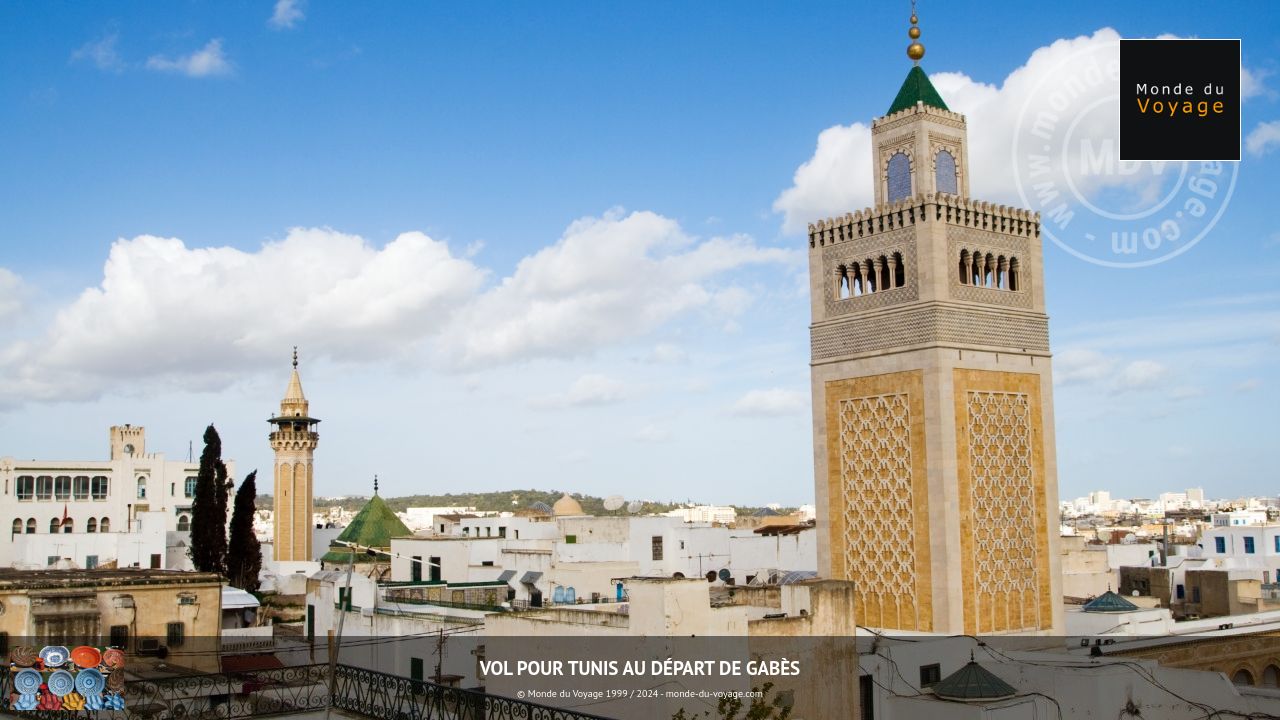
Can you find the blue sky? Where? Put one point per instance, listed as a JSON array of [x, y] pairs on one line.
[[549, 245]]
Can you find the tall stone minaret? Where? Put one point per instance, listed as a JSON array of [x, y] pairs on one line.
[[294, 442], [933, 396]]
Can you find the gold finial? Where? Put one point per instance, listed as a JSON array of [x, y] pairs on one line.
[[295, 357], [915, 50], [375, 484]]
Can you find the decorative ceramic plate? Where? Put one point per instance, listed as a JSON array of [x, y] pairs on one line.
[[90, 682], [86, 657], [61, 682], [115, 681], [23, 656], [113, 658], [54, 655], [27, 681]]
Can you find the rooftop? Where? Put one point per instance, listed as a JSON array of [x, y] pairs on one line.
[[11, 579]]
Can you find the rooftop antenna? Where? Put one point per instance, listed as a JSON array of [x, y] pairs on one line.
[[634, 506]]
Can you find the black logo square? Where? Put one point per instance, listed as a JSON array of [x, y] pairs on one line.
[[1179, 100]]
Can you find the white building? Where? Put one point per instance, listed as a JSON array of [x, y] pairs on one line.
[[1237, 518], [131, 493], [722, 514]]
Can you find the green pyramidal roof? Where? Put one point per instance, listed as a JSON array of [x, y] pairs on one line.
[[973, 682], [916, 88], [1109, 602], [373, 526]]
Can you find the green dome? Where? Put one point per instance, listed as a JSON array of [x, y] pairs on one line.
[[1109, 602], [373, 526], [973, 683], [916, 88]]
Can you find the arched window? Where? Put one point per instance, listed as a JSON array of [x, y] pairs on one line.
[[54, 524], [184, 523], [945, 173], [69, 525], [1271, 676], [842, 277], [1013, 273], [899, 177], [104, 525], [17, 526], [31, 526], [1002, 273], [989, 271], [899, 270], [1242, 677], [91, 526], [965, 273], [142, 488]]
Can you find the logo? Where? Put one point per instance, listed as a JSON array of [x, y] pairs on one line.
[[1092, 204]]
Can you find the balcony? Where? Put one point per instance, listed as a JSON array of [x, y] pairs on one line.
[[310, 692]]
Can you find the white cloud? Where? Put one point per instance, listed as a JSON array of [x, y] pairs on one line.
[[771, 403], [1080, 365], [1251, 83], [1085, 366], [586, 391], [1263, 138], [652, 433], [208, 61], [837, 178], [102, 53], [286, 14], [666, 354], [1249, 386], [10, 294], [607, 278], [1140, 375], [201, 316]]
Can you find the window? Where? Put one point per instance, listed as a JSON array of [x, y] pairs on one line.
[[486, 563], [142, 488], [174, 634], [434, 569], [69, 525], [120, 636], [1248, 546], [184, 523], [1220, 544], [51, 560], [155, 561], [54, 524], [502, 531], [80, 487], [866, 697], [26, 487], [945, 172], [189, 487], [31, 526], [415, 568], [17, 526], [1181, 591], [657, 547], [930, 675], [899, 177], [104, 525], [415, 669], [44, 487], [344, 598], [90, 562], [570, 539], [62, 488], [99, 486], [1277, 539]]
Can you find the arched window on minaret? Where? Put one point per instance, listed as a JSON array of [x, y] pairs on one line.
[[945, 173], [899, 177], [966, 268], [843, 292], [899, 270], [1013, 273]]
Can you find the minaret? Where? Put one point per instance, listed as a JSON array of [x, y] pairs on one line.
[[934, 451], [294, 442]]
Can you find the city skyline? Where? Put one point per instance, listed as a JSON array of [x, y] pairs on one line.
[[501, 290]]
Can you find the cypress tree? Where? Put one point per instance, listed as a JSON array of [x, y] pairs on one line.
[[209, 508], [244, 552]]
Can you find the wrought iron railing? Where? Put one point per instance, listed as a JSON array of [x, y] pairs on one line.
[[306, 689], [390, 697]]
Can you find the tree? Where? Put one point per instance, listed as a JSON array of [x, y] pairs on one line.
[[208, 549], [761, 707], [244, 552]]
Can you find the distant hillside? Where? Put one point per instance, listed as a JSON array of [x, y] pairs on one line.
[[499, 501]]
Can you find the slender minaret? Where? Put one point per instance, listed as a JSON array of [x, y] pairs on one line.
[[933, 395], [294, 442]]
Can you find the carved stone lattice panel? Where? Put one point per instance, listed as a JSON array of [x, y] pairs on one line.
[[973, 239], [878, 497], [901, 241], [923, 326], [1001, 478]]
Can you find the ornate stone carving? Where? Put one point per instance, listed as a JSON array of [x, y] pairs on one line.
[[972, 327]]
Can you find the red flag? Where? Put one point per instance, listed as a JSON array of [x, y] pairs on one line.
[[64, 514]]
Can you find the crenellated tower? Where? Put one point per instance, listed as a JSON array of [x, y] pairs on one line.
[[294, 441], [933, 411]]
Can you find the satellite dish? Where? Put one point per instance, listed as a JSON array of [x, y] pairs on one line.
[[613, 502], [725, 575], [634, 506]]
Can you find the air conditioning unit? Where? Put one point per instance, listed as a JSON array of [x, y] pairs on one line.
[[151, 646]]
